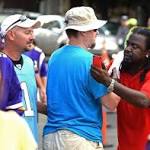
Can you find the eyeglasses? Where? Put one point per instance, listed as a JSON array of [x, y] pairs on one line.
[[21, 19]]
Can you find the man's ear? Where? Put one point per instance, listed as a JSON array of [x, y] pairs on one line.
[[10, 35]]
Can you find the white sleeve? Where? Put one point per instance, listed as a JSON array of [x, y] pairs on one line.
[[116, 63]]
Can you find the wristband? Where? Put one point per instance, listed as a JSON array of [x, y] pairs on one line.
[[111, 86]]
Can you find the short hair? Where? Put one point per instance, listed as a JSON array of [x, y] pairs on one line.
[[72, 32]]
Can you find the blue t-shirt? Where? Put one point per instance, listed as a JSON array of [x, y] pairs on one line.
[[73, 95], [26, 76], [10, 90]]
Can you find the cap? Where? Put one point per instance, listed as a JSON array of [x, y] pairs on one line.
[[124, 17], [18, 20], [82, 19]]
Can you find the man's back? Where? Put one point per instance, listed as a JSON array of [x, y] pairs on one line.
[[73, 96]]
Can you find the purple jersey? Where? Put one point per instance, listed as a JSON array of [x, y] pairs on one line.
[[10, 90], [38, 57]]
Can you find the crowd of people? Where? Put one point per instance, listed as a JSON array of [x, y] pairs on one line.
[[72, 90]]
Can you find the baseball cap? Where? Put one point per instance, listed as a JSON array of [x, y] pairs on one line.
[[124, 17], [18, 20], [82, 19]]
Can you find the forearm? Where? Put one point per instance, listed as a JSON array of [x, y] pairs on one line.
[[110, 101], [39, 81], [132, 96]]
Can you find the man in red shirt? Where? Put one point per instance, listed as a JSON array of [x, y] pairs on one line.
[[133, 86]]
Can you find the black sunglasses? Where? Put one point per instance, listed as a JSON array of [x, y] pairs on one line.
[[21, 19]]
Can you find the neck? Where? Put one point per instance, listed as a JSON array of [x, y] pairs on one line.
[[14, 54], [136, 69], [78, 42]]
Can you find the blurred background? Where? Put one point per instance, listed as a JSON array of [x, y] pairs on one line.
[[51, 13], [106, 9]]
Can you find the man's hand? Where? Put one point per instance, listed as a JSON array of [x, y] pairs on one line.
[[100, 75], [43, 96]]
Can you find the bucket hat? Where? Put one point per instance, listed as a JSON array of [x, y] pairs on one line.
[[82, 19]]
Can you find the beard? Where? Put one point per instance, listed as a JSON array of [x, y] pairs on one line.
[[127, 61], [92, 45]]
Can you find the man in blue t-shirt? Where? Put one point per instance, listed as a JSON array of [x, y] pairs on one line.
[[73, 96], [40, 68]]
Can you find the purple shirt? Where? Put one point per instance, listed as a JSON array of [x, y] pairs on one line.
[[10, 90], [38, 57]]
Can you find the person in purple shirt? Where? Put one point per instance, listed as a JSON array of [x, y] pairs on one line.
[[38, 57], [10, 90]]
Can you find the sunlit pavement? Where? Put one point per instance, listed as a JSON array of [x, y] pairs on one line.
[[111, 130]]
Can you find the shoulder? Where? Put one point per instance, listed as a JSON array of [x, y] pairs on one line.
[[26, 58], [38, 49], [5, 60], [3, 55]]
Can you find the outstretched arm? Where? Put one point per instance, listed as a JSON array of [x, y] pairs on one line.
[[132, 96]]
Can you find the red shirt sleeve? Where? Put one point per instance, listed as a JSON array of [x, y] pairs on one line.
[[146, 86]]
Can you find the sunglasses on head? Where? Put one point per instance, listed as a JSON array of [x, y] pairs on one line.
[[21, 19]]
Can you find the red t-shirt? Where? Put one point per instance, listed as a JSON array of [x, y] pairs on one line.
[[133, 122]]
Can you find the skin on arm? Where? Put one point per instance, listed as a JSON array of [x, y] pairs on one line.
[[44, 80], [110, 101], [132, 96], [41, 87]]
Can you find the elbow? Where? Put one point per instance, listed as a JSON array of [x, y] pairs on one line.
[[111, 108], [145, 103]]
